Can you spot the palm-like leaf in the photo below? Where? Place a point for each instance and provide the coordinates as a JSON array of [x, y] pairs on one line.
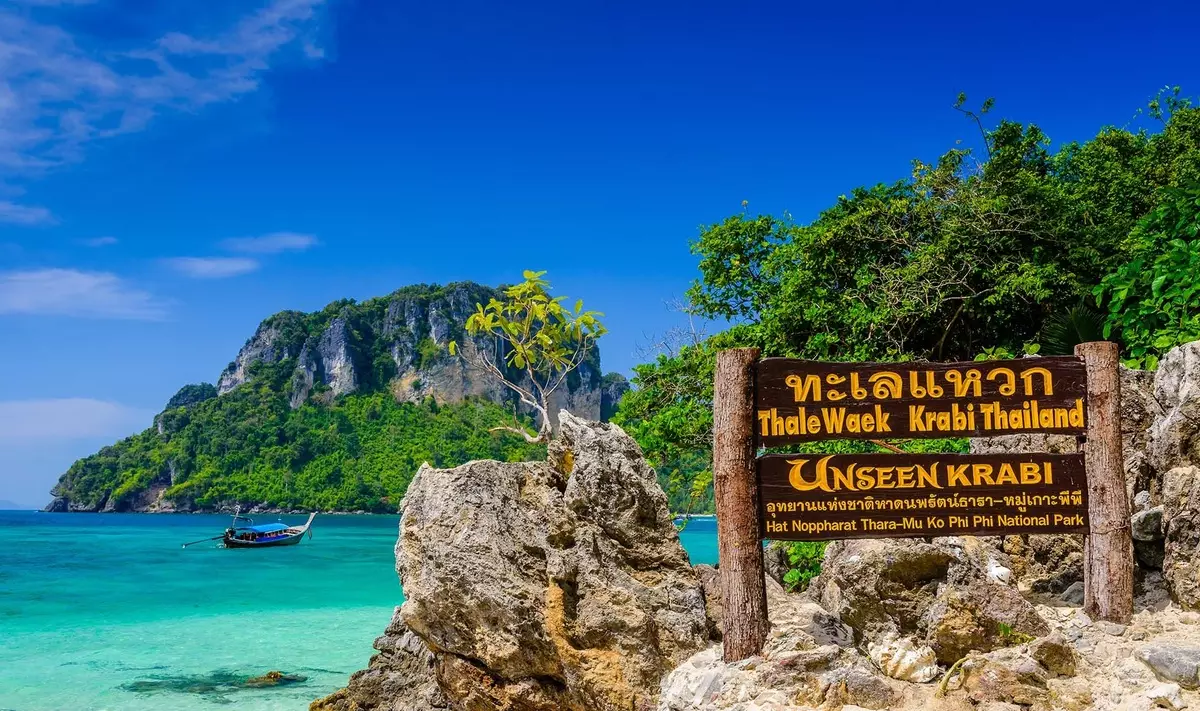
[[1063, 331]]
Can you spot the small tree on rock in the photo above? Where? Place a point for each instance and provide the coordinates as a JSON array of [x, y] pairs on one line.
[[537, 337]]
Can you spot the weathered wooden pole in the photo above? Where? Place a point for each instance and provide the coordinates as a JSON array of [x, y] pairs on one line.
[[738, 544], [1108, 548]]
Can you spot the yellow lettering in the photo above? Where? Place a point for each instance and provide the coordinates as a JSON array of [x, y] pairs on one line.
[[885, 477], [803, 387], [956, 475], [834, 419], [1006, 475], [982, 473]]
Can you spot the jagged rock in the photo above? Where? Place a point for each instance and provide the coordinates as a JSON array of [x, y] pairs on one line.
[[613, 387], [400, 678], [1147, 525], [1054, 653], [1181, 523], [905, 660], [1172, 663], [775, 561], [1147, 537], [1167, 696], [1073, 594], [980, 616], [714, 606], [881, 588], [939, 592], [588, 599], [1173, 438], [58, 505], [1005, 676], [784, 677]]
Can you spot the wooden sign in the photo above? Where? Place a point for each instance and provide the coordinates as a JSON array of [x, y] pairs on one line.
[[804, 401], [815, 497]]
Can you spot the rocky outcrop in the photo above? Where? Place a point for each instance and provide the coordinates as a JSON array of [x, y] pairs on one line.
[[943, 594], [1181, 540], [542, 585], [401, 342], [613, 387], [401, 677], [1174, 439], [273, 341]]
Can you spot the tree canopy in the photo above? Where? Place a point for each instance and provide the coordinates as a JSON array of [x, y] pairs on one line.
[[998, 253]]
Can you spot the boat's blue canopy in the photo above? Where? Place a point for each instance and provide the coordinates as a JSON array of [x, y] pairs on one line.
[[265, 528]]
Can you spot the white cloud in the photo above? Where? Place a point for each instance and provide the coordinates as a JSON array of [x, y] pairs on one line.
[[99, 241], [212, 267], [273, 243], [28, 421], [57, 95], [15, 214], [69, 292]]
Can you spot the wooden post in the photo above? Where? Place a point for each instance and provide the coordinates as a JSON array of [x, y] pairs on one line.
[[1108, 548], [735, 487]]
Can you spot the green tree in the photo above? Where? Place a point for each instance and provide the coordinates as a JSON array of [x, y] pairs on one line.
[[1153, 301], [968, 255], [537, 337]]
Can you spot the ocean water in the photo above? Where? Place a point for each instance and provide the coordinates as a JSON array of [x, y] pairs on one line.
[[106, 612]]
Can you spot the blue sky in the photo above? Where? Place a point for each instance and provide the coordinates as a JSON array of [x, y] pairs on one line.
[[171, 173]]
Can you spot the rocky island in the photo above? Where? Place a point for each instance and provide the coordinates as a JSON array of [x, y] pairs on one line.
[[561, 585], [333, 411]]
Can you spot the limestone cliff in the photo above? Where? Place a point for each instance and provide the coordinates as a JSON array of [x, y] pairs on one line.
[[332, 410], [400, 341]]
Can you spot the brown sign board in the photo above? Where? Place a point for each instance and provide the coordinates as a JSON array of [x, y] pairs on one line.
[[805, 401], [819, 497]]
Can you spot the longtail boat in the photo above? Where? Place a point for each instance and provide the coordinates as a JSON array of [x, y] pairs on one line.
[[243, 533]]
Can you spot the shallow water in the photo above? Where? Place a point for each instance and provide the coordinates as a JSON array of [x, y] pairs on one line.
[[106, 611]]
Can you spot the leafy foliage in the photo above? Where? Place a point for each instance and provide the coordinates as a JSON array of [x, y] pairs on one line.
[[804, 563], [249, 447], [968, 256], [1153, 301], [539, 337]]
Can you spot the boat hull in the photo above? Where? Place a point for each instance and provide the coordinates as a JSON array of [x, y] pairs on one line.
[[274, 543]]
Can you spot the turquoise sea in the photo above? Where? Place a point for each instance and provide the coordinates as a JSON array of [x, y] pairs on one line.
[[108, 612]]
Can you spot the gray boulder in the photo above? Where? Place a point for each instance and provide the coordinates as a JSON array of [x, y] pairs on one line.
[[1173, 663], [557, 585]]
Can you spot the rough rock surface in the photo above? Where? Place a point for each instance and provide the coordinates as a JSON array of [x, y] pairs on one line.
[[413, 326], [938, 592], [809, 660], [399, 678], [557, 585], [1174, 440], [1181, 524]]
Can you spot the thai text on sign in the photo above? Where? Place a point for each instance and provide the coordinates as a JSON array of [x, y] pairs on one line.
[[825, 497], [803, 401]]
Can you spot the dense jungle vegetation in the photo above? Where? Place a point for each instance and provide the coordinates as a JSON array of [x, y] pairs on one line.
[[249, 446], [1025, 248]]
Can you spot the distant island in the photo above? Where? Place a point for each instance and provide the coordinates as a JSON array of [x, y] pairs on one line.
[[6, 505], [328, 411]]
